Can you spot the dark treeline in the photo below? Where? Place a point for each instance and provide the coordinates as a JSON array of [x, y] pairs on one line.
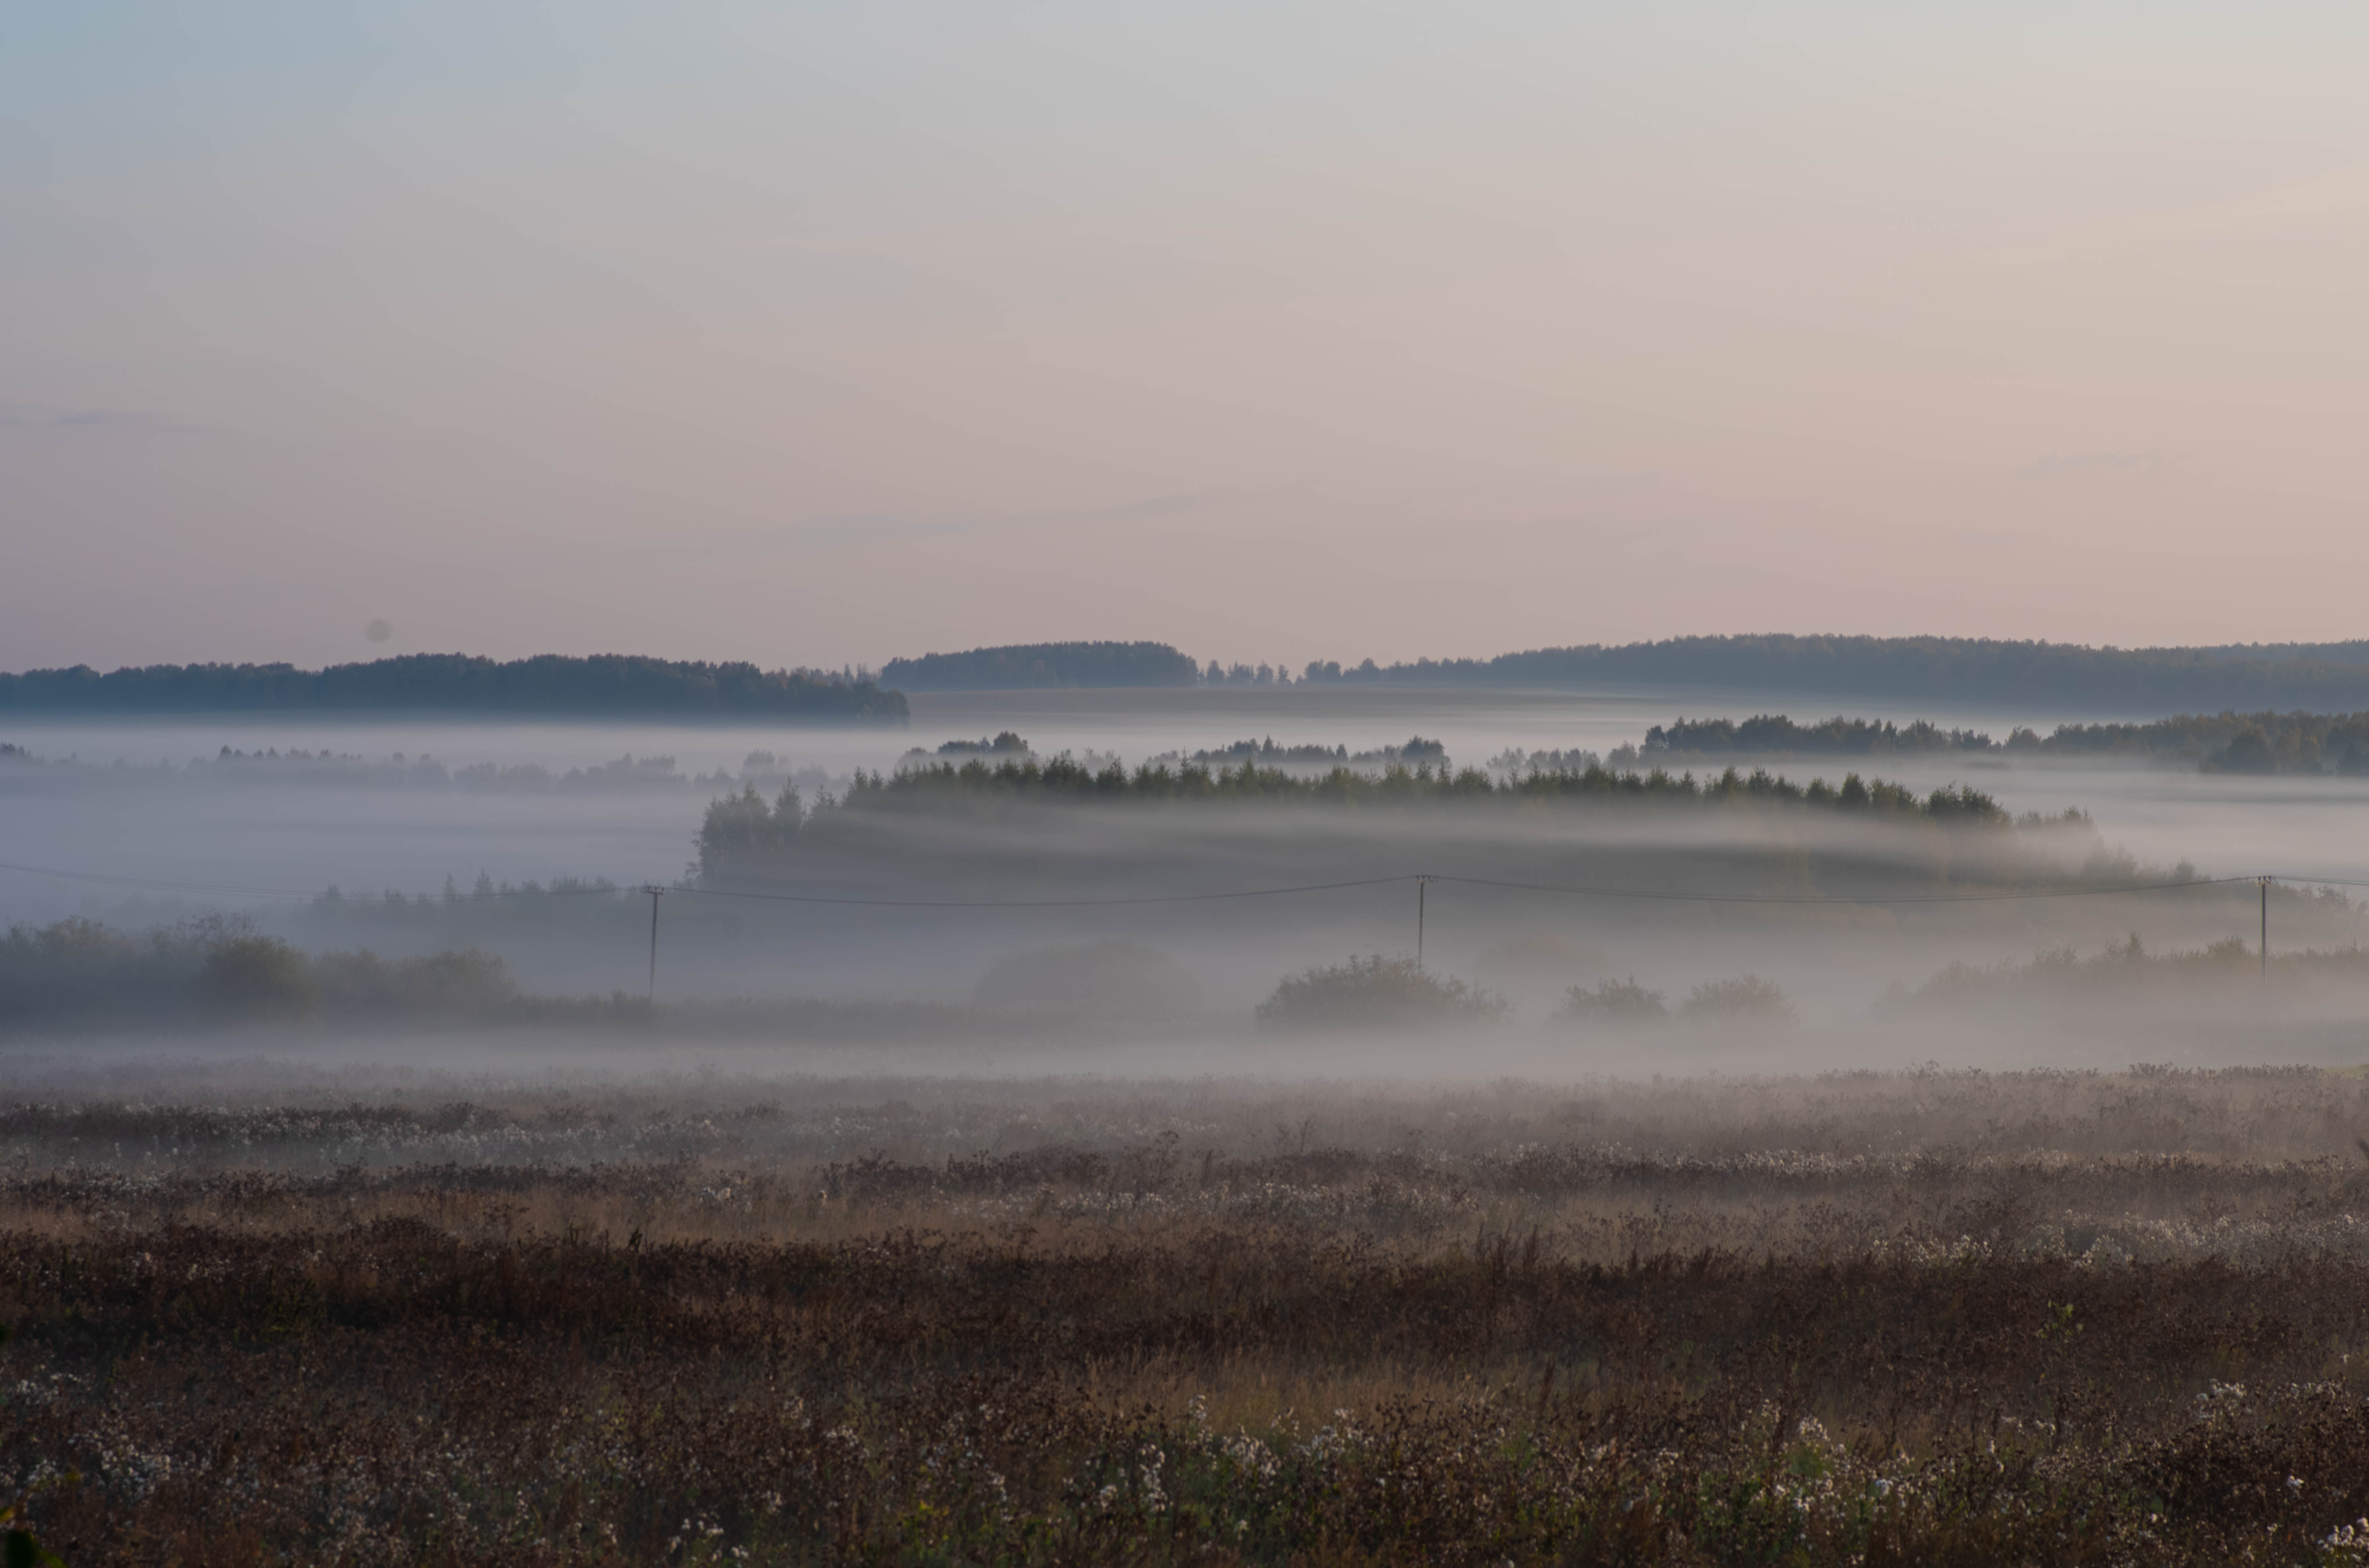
[[2266, 742], [1417, 752], [603, 686], [2308, 674], [745, 834], [2226, 742], [78, 970], [1834, 737], [1035, 666], [1062, 780], [326, 769], [79, 974], [2354, 652], [2129, 970]]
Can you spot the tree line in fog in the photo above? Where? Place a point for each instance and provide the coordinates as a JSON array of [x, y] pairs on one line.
[[2237, 675], [602, 685], [2328, 675], [1964, 668], [747, 834], [2265, 742]]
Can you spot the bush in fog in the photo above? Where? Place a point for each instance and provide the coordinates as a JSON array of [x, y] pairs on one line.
[[2128, 968], [1376, 992], [473, 982], [1746, 998], [77, 970], [1614, 1001], [252, 977]]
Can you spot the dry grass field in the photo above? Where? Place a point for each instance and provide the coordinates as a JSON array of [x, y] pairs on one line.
[[1920, 1318]]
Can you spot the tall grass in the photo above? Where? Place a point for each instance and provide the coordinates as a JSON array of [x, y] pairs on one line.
[[1868, 1319]]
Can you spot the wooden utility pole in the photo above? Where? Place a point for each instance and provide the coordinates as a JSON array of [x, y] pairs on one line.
[[656, 893], [1421, 888], [2266, 928]]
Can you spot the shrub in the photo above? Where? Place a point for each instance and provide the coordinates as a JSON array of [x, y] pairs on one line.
[[1614, 1001], [1376, 992], [257, 976], [1745, 998], [79, 971]]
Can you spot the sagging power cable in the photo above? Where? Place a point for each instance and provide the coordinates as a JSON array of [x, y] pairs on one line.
[[1991, 897], [1654, 894]]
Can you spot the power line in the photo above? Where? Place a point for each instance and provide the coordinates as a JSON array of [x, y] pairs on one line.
[[101, 878], [1658, 895], [1043, 903], [1422, 880], [1568, 889], [230, 890]]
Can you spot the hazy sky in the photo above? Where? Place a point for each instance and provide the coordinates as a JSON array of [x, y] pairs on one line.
[[822, 333]]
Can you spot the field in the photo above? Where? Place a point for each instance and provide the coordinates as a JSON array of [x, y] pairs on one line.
[[1930, 1317]]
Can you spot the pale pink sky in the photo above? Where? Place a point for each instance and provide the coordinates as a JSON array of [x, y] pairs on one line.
[[823, 334]]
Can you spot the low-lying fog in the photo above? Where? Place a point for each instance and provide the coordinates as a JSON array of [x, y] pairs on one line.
[[307, 839], [1160, 988]]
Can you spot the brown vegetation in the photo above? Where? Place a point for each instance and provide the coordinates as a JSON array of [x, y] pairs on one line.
[[1922, 1317]]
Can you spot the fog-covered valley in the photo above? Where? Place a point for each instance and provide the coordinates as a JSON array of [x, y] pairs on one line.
[[1102, 934]]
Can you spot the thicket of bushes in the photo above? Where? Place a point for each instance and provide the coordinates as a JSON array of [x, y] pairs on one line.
[[1375, 993], [1744, 999], [2130, 968], [1398, 994], [78, 970]]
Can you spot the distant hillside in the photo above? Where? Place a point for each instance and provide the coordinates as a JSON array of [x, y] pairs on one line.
[[2331, 675], [1035, 666], [604, 686], [2264, 742]]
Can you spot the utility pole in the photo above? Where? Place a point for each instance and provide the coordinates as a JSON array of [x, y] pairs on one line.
[[2266, 928], [1421, 888], [656, 893]]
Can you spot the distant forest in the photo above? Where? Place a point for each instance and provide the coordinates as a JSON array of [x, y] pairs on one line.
[[2223, 743], [1036, 665], [604, 686], [1061, 780], [1266, 753], [2237, 675], [743, 835], [2308, 674], [1837, 737], [2264, 742]]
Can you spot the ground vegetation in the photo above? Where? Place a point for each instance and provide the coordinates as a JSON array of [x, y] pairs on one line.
[[1876, 1319]]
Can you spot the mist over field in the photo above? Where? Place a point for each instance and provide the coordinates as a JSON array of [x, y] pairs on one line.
[[526, 842], [1207, 786]]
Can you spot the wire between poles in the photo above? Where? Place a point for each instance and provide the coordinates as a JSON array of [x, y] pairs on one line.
[[1044, 903], [1565, 890], [1847, 899]]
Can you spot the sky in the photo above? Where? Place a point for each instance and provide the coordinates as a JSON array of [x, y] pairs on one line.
[[820, 334]]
